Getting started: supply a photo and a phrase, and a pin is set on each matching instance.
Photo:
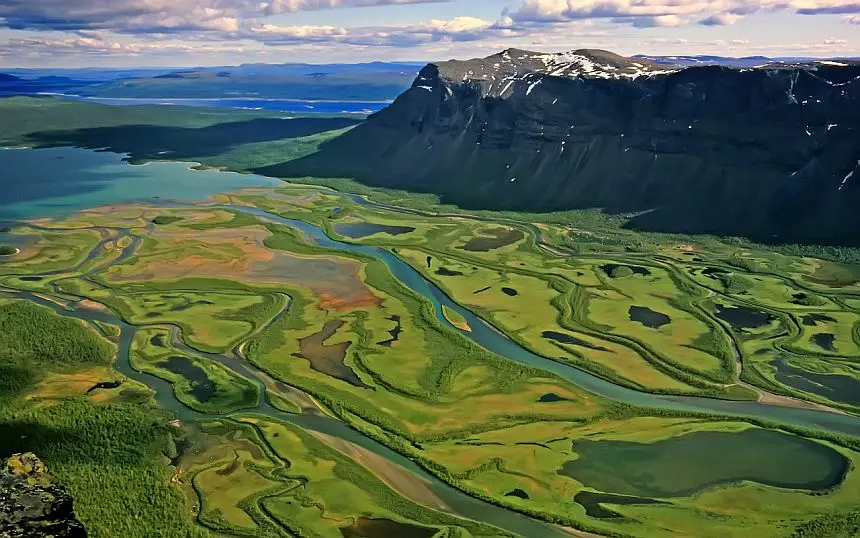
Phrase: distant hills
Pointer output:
(769, 152)
(375, 81)
(746, 61)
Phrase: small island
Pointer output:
(8, 251)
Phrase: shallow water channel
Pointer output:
(493, 340)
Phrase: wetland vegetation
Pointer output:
(439, 374)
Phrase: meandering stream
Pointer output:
(489, 338)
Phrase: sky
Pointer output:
(180, 33)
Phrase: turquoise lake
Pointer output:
(56, 181)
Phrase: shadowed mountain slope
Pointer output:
(772, 152)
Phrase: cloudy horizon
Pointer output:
(178, 33)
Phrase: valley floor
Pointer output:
(295, 361)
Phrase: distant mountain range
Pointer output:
(746, 61)
(771, 152)
(376, 81)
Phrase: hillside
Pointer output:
(767, 152)
(358, 82)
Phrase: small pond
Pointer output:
(202, 388)
(357, 230)
(742, 317)
(683, 465)
(839, 388)
(648, 317)
(493, 239)
(615, 270)
(385, 528)
(329, 360)
(591, 501)
(825, 341)
(812, 320)
(563, 338)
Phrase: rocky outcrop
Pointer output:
(771, 152)
(32, 505)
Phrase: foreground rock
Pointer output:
(32, 505)
(771, 152)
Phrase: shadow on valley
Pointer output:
(144, 142)
(73, 432)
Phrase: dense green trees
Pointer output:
(35, 335)
(110, 457)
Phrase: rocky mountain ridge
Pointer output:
(768, 152)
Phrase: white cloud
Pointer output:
(651, 12)
(142, 16)
(457, 29)
(721, 19)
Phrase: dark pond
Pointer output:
(812, 320)
(496, 238)
(712, 272)
(357, 230)
(612, 269)
(482, 290)
(839, 388)
(107, 385)
(230, 469)
(563, 338)
(158, 341)
(683, 465)
(186, 306)
(591, 501)
(385, 528)
(31, 278)
(444, 271)
(510, 292)
(328, 360)
(552, 398)
(741, 317)
(520, 494)
(648, 317)
(202, 388)
(825, 341)
(395, 332)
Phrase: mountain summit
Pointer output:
(769, 152)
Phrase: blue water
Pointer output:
(296, 106)
(56, 181)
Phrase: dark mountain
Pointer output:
(14, 85)
(771, 152)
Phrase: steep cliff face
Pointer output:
(32, 505)
(770, 152)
